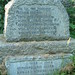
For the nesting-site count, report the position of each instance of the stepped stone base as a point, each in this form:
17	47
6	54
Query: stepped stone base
34	47
55	49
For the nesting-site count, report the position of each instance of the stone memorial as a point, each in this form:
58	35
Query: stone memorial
36	20
36	39
36	65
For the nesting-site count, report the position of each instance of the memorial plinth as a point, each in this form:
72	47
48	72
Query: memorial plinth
35	47
37	65
55	51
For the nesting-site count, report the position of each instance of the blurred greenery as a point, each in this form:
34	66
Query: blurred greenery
70	10
2	4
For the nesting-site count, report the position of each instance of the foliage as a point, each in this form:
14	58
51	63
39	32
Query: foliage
70	68
71	12
2	4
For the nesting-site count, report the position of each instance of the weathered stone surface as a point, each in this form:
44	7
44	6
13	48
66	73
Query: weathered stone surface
37	65
35	48
36	20
67	3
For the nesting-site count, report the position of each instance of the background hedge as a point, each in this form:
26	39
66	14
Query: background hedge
69	4
2	4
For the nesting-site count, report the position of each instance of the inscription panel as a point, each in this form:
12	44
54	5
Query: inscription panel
35	65
36	21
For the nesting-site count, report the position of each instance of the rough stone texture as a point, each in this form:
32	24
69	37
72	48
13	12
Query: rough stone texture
36	20
68	3
34	47
36	65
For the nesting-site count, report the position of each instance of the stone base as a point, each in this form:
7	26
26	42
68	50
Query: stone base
37	65
34	47
53	48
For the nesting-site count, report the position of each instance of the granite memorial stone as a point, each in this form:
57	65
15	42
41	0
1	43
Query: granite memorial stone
36	65
36	20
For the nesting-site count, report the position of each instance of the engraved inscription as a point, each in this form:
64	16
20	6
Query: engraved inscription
34	21
36	67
